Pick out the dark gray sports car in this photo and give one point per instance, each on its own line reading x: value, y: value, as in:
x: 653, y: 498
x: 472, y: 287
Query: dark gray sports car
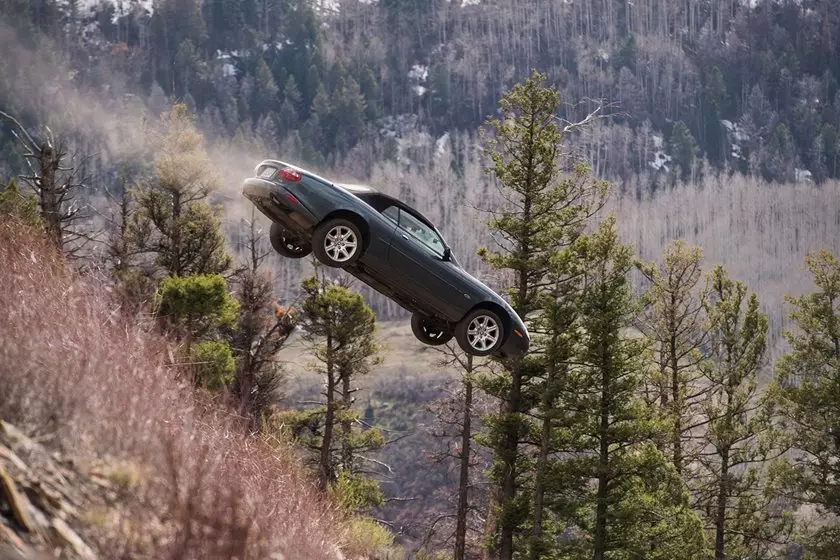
x: 392, y: 248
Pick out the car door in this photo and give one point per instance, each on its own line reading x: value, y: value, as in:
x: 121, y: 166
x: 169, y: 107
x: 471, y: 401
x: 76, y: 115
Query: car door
x: 416, y: 257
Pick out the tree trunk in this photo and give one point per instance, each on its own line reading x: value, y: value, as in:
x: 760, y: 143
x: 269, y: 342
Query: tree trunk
x: 720, y: 514
x: 325, y: 462
x: 508, y: 456
x: 492, y: 522
x: 542, y: 462
x: 48, y: 194
x: 603, y: 464
x: 177, y: 269
x: 346, y: 425
x: 464, y: 476
x: 676, y: 404
x: 510, y: 451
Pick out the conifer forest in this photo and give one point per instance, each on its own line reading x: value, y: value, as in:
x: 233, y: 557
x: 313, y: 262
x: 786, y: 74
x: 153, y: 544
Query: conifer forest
x: 652, y: 185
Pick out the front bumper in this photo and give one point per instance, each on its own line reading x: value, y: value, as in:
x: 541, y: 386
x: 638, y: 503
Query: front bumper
x: 516, y: 346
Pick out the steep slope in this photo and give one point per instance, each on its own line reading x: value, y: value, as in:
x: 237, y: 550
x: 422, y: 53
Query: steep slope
x: 178, y: 477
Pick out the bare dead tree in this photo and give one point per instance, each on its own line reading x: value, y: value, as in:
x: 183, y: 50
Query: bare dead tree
x: 56, y: 185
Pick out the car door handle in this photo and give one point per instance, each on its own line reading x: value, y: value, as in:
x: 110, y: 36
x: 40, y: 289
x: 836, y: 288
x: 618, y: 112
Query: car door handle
x: 404, y: 236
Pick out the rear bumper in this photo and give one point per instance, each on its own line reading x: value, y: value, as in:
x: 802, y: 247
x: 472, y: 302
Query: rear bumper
x: 279, y: 204
x: 257, y: 189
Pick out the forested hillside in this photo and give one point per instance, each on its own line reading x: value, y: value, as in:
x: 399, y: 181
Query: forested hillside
x: 745, y: 86
x: 682, y: 157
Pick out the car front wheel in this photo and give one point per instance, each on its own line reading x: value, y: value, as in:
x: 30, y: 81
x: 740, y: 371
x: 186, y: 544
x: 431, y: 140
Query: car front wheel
x: 337, y: 243
x: 430, y: 331
x: 287, y: 244
x: 480, y: 333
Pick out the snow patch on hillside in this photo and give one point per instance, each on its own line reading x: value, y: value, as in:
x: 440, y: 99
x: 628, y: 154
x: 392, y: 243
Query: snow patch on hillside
x: 660, y: 158
x: 737, y: 137
x: 418, y: 75
x: 123, y: 7
x: 441, y: 145
x: 327, y: 7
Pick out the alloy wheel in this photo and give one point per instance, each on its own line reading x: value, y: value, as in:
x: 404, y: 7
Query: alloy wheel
x: 340, y: 243
x: 483, y: 333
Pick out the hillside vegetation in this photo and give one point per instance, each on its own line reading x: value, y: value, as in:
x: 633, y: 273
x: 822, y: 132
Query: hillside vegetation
x: 83, y: 379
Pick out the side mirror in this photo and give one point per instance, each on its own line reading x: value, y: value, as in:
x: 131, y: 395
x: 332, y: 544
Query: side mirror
x: 447, y: 254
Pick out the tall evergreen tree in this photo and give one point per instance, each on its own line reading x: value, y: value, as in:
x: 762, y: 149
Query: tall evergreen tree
x: 685, y: 154
x: 174, y: 223
x: 557, y: 326
x: 341, y: 330
x: 547, y: 211
x: 263, y: 328
x: 623, y: 498
x: 674, y: 321
x: 808, y: 385
x: 265, y: 93
x: 737, y: 495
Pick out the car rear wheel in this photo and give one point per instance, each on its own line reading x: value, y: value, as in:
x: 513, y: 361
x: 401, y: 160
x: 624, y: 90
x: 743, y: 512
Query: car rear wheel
x: 337, y: 243
x: 480, y: 333
x: 430, y: 331
x: 287, y: 244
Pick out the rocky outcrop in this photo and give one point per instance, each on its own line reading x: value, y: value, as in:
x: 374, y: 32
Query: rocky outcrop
x: 43, y: 499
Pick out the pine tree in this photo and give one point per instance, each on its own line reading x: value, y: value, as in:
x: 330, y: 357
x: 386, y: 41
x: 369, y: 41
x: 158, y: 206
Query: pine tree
x: 548, y: 210
x: 265, y: 92
x: 808, y: 386
x: 173, y: 222
x: 349, y: 110
x: 341, y: 330
x: 685, y: 153
x: 674, y: 323
x: 638, y: 506
x: 318, y: 128
x: 737, y: 494
x: 291, y: 109
x: 454, y: 426
x: 557, y: 327
x: 715, y: 101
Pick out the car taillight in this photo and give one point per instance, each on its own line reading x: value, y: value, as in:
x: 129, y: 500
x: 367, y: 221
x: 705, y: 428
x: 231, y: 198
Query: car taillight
x: 290, y: 174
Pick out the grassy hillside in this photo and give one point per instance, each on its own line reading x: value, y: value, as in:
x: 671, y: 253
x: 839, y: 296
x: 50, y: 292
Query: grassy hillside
x: 81, y: 381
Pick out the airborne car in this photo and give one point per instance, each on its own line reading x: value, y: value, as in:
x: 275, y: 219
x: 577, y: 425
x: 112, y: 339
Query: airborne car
x: 392, y: 248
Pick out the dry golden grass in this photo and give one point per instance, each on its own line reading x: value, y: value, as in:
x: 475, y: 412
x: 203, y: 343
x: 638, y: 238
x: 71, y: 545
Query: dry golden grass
x: 84, y: 379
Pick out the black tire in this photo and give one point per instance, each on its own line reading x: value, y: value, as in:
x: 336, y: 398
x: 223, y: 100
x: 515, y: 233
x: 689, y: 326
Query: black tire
x: 338, y: 243
x: 473, y: 339
x: 430, y: 331
x: 288, y: 245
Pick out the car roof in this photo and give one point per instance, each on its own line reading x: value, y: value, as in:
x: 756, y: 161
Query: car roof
x: 374, y: 194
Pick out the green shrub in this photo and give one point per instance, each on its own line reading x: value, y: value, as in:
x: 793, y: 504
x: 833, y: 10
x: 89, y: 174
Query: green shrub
x: 214, y: 365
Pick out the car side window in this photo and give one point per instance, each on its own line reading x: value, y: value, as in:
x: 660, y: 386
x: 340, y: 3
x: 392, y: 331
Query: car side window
x: 393, y: 213
x: 423, y: 233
